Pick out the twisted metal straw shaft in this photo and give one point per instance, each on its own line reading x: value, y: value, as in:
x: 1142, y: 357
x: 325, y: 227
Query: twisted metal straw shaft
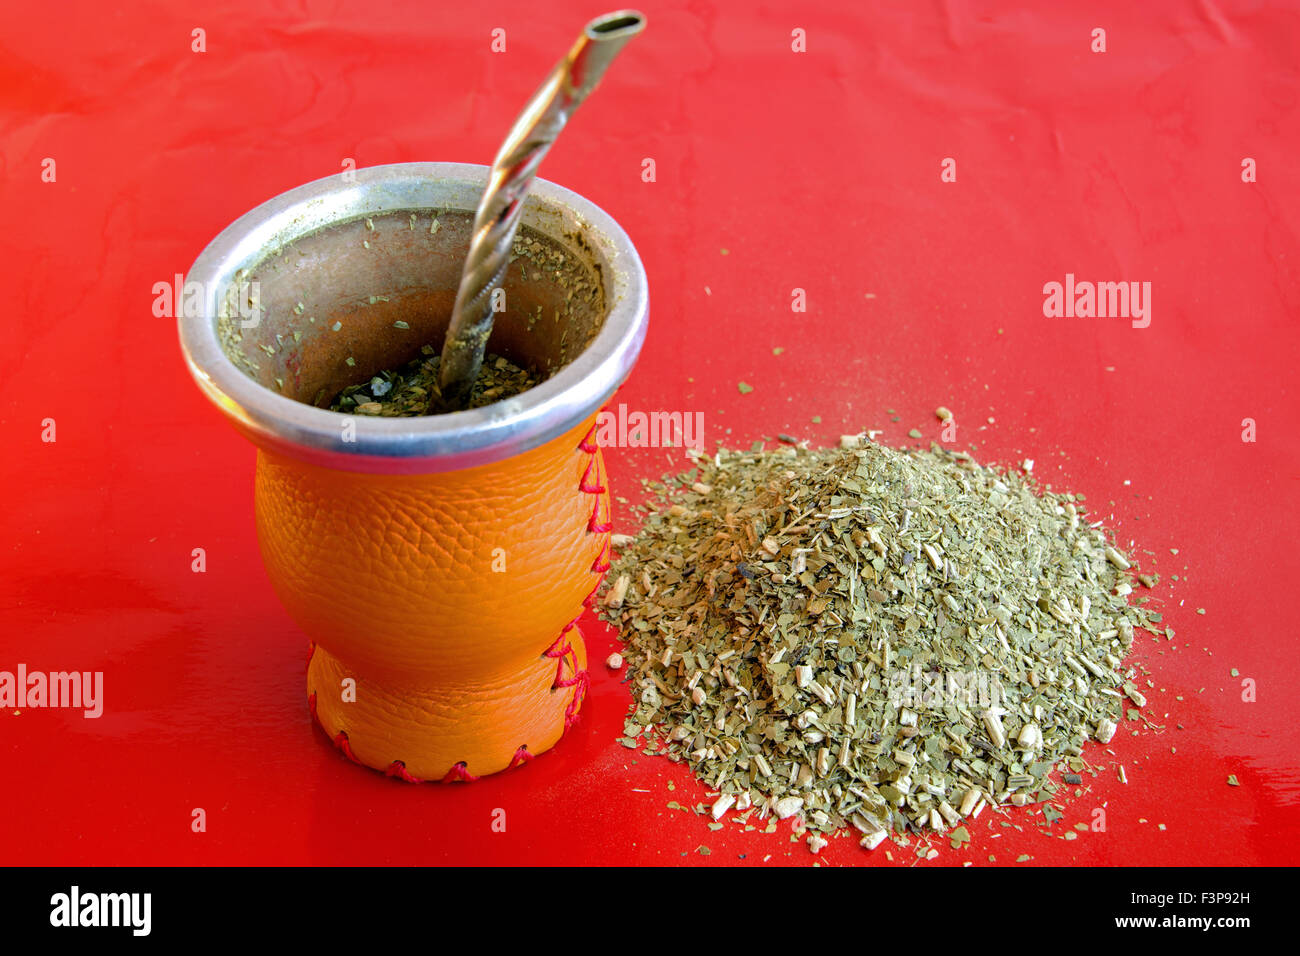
x: 513, y: 171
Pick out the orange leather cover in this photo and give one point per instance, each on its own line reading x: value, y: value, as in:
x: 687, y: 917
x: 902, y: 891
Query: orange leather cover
x: 449, y: 599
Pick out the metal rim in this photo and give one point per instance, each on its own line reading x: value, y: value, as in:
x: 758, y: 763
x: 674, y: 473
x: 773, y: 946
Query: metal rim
x: 410, y: 445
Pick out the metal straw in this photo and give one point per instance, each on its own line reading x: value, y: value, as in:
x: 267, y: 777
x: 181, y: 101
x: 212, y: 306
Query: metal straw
x: 497, y: 219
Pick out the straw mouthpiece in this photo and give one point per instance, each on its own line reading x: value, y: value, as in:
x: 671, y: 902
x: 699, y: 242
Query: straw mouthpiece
x: 618, y: 25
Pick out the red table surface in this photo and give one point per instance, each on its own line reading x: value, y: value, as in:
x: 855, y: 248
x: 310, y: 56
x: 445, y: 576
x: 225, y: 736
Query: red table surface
x: 775, y: 170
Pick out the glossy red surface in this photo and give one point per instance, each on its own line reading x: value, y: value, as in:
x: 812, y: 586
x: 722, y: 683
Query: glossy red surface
x: 775, y: 170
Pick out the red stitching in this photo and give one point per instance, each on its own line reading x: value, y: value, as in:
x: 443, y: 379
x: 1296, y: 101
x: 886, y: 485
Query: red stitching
x: 589, y: 443
x: 555, y: 650
x: 398, y: 769
x: 571, y: 712
x: 561, y: 650
x: 581, y: 678
x: 341, y: 741
x: 459, y: 774
x: 521, y: 757
x: 594, y: 524
x: 573, y: 681
x: 584, y: 486
x: 597, y: 566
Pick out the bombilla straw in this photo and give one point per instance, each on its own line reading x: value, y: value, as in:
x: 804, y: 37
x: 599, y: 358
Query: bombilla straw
x: 513, y: 171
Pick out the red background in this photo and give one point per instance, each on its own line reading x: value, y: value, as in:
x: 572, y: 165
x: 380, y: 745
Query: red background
x: 819, y: 171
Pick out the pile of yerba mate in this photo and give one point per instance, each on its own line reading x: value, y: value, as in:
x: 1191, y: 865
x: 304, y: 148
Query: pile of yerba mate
x: 893, y: 640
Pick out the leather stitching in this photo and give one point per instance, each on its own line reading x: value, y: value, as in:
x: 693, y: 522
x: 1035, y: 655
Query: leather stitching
x: 561, y: 650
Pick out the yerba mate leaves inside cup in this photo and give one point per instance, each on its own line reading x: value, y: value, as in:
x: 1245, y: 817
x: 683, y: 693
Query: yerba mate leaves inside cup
x: 413, y: 388
x: 367, y: 298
